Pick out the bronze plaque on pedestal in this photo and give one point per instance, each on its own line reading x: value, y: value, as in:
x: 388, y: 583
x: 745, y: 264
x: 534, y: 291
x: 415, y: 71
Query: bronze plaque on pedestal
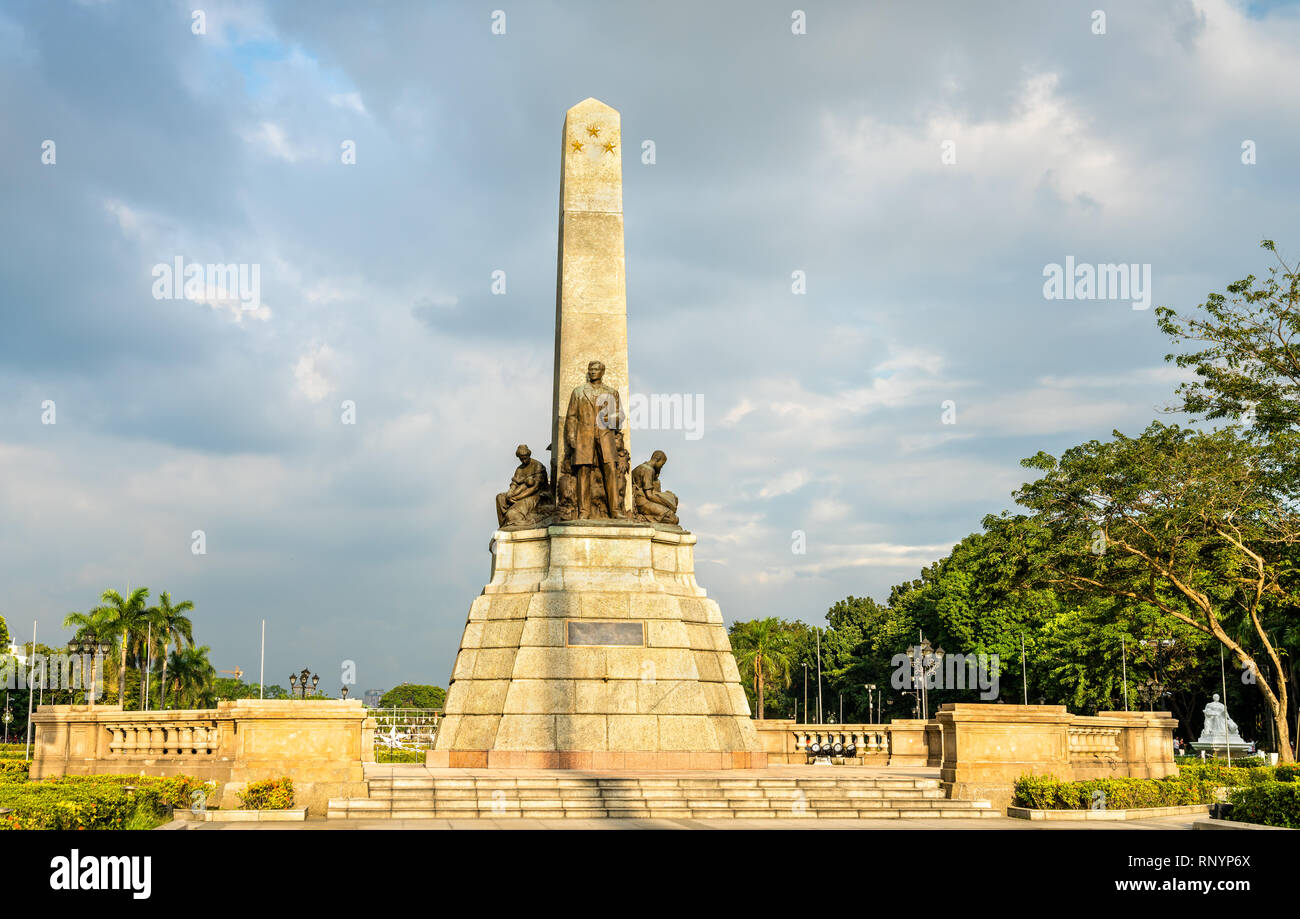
x: 604, y: 633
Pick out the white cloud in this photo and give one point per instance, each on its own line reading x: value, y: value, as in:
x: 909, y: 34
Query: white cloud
x: 312, y: 373
x: 788, y: 481
x: 1044, y: 139
x: 737, y: 412
x: 272, y: 140
x: 351, y: 101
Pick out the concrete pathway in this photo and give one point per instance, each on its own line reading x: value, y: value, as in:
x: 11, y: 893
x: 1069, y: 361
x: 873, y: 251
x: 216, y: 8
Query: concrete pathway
x: 775, y: 823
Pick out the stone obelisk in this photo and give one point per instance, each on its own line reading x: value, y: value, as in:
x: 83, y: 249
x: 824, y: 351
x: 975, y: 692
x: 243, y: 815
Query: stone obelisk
x: 591, y: 282
x: 592, y: 646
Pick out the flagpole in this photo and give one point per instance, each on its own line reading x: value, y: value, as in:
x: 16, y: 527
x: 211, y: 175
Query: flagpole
x: 148, y: 664
x: 261, y: 676
x: 1223, y: 675
x: 1124, y: 650
x: 27, y: 754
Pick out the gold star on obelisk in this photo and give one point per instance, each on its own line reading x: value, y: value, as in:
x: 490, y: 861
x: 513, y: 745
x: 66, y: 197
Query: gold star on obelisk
x: 593, y: 131
x: 576, y: 146
x: 609, y: 146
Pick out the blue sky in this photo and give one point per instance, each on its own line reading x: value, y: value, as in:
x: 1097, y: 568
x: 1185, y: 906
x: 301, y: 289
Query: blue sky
x: 819, y: 152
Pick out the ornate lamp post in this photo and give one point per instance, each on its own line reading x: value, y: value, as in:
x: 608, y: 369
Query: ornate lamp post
x: 299, y: 681
x: 925, y: 657
x: 1153, y: 690
x: 871, y: 698
x: 89, y: 643
x: 8, y: 717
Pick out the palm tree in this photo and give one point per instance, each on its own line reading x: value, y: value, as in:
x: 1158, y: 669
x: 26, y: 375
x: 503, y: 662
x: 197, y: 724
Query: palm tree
x: 125, y: 619
x: 192, y: 673
x: 762, y: 649
x: 86, y: 624
x: 171, y: 623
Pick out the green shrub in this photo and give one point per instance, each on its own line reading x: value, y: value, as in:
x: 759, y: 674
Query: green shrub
x: 268, y: 795
x: 1045, y: 792
x: 399, y: 756
x: 1287, y: 772
x: 1238, y: 776
x: 94, y: 802
x: 1244, y: 762
x: 1267, y: 803
x: 14, y: 770
x: 48, y: 806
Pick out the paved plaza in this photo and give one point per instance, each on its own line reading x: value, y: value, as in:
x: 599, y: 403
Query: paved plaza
x: 771, y: 823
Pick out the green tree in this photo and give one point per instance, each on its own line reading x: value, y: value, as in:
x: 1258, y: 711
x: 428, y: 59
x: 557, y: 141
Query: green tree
x: 1186, y: 522
x: 4, y: 635
x: 1245, y: 349
x: 122, y: 621
x: 193, y: 677
x: 762, y: 651
x: 414, y: 695
x: 173, y: 628
x: 857, y: 651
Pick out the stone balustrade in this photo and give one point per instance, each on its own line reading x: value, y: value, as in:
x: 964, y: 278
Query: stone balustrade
x: 176, y: 738
x: 319, y: 745
x: 981, y: 749
x: 1086, y: 740
x: 986, y: 747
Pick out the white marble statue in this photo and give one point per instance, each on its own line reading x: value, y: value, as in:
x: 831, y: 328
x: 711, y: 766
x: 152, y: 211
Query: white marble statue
x: 1219, y: 728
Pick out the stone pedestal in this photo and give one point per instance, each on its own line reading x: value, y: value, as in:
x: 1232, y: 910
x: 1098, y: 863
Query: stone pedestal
x: 594, y: 648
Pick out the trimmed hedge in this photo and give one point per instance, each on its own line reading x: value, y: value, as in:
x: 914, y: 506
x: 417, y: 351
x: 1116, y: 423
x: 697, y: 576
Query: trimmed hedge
x: 1245, y: 762
x: 1267, y: 803
x: 399, y: 756
x: 1226, y: 776
x: 268, y: 795
x: 14, y: 770
x: 1046, y: 792
x: 93, y: 802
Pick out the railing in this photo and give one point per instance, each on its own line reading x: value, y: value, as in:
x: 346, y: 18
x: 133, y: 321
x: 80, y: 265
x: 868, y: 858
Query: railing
x: 406, y: 728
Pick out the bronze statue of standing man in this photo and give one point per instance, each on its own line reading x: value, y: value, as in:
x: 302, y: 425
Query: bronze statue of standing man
x: 592, y: 436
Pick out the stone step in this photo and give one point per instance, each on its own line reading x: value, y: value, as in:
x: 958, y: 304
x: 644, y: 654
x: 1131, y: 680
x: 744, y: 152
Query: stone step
x: 339, y: 810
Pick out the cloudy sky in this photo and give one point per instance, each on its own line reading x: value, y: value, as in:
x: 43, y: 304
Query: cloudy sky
x: 920, y: 163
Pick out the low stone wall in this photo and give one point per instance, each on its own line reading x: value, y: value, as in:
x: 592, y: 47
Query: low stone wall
x: 987, y: 747
x: 319, y: 745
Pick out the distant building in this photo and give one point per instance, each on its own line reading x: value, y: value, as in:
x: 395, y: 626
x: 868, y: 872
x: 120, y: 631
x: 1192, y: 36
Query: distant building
x: 17, y: 652
x: 372, y: 698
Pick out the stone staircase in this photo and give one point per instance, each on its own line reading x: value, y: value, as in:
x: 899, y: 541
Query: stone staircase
x: 414, y: 793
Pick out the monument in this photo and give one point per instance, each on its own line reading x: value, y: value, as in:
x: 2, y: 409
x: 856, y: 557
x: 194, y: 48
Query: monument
x: 1220, y: 736
x: 592, y: 646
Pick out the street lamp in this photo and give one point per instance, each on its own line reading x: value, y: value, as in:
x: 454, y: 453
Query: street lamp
x: 871, y: 688
x: 924, y: 657
x: 8, y: 717
x: 299, y: 681
x: 89, y: 643
x: 1153, y: 690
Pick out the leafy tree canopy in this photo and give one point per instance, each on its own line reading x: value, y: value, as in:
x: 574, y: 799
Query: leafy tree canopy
x: 414, y: 695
